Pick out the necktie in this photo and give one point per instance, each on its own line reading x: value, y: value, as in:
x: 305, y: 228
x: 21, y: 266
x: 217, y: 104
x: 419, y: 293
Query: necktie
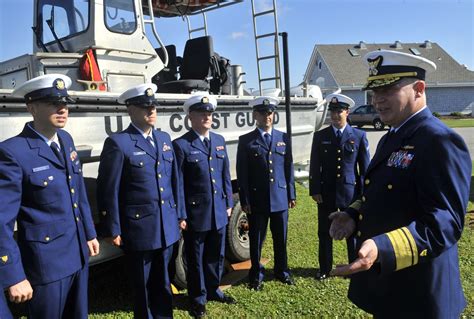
x: 268, y: 139
x: 338, y: 136
x: 207, y: 143
x: 150, y: 140
x: 57, y: 152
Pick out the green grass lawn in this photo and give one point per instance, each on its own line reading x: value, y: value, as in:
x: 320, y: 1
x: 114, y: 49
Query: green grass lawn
x: 468, y: 122
x: 110, y: 297
x: 309, y: 298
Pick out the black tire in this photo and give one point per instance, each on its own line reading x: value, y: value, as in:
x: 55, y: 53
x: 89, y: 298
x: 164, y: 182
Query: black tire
x: 181, y: 266
x: 238, y: 242
x: 378, y: 125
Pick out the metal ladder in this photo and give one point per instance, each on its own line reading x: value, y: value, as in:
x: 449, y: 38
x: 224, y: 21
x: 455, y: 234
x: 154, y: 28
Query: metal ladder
x: 276, y: 46
x: 203, y: 28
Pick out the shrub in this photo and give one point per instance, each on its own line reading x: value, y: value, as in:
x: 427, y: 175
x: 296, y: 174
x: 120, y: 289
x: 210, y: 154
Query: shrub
x: 436, y: 114
x: 456, y: 114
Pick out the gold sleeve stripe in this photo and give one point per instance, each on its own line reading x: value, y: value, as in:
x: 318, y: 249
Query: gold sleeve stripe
x: 356, y: 205
x: 392, y: 75
x: 404, y: 247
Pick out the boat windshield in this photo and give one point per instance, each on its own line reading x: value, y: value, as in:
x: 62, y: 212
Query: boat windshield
x: 61, y: 19
x: 119, y: 16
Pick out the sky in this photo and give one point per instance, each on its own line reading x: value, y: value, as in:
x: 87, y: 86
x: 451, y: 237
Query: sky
x: 450, y: 23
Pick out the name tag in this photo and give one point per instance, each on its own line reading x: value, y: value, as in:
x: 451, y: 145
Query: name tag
x: 219, y: 148
x: 41, y: 168
x: 139, y: 153
x: 195, y: 152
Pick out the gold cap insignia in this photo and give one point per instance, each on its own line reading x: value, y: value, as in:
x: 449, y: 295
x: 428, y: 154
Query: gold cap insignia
x: 149, y: 92
x: 424, y: 253
x: 205, y: 100
x: 266, y: 102
x: 4, y: 259
x: 334, y: 100
x: 374, y: 64
x: 60, y: 84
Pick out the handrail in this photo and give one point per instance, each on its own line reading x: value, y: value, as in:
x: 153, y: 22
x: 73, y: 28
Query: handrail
x: 153, y: 28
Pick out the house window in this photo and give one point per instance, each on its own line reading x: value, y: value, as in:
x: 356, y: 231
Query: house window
x: 319, y: 65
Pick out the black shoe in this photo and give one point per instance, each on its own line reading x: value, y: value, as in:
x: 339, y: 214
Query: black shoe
x: 287, y: 281
x: 322, y: 275
x: 256, y: 285
x: 198, y: 310
x: 224, y: 299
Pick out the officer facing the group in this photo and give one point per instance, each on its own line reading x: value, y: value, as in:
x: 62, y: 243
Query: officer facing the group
x: 411, y: 213
x: 266, y: 188
x: 42, y: 189
x: 339, y: 159
x: 137, y: 193
x: 204, y: 177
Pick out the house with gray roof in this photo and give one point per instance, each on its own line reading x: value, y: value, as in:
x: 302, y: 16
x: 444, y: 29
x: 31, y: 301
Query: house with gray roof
x: 449, y: 89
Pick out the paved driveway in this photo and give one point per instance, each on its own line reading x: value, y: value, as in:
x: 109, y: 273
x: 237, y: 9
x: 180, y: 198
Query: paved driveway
x: 467, y: 134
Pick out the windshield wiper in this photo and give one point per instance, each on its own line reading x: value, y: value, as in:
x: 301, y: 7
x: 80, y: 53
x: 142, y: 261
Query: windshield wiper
x: 50, y: 23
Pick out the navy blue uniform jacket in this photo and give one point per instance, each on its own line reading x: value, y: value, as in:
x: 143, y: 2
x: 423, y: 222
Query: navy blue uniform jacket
x: 337, y: 170
x: 413, y: 207
x: 206, y: 182
x: 265, y: 175
x: 137, y: 190
x: 50, y: 205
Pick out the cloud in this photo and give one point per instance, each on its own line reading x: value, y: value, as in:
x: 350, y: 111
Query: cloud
x: 238, y: 35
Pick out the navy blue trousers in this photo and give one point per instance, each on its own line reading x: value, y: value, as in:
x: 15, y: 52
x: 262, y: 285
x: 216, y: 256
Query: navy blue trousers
x: 325, y: 240
x: 151, y: 283
x: 65, y: 298
x: 258, y: 222
x: 4, y: 311
x: 205, y: 261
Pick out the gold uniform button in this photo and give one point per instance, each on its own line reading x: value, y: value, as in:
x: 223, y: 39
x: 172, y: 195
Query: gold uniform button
x: 271, y: 171
x: 271, y: 180
x: 214, y: 181
x: 269, y: 153
x: 141, y: 164
x: 212, y: 169
x: 47, y: 238
x: 215, y: 192
x: 197, y: 160
x: 338, y: 175
x: 210, y: 158
x: 162, y: 201
x: 158, y: 163
x: 325, y: 151
x: 363, y: 199
x: 159, y: 175
x: 359, y: 234
x: 104, y: 213
x: 338, y: 158
x: 367, y: 181
x: 360, y: 217
x: 389, y: 186
x: 256, y: 154
x: 75, y: 205
x: 339, y: 151
x: 339, y: 167
x: 72, y: 191
x: 70, y: 177
x: 77, y: 219
x: 194, y: 203
x: 137, y: 215
x: 45, y: 183
x: 161, y: 189
x: 271, y: 162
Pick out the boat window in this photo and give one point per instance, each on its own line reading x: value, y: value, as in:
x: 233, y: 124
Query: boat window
x: 119, y: 16
x: 62, y: 18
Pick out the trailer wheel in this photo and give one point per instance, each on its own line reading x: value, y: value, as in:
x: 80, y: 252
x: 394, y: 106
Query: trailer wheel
x: 238, y: 242
x: 181, y: 266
